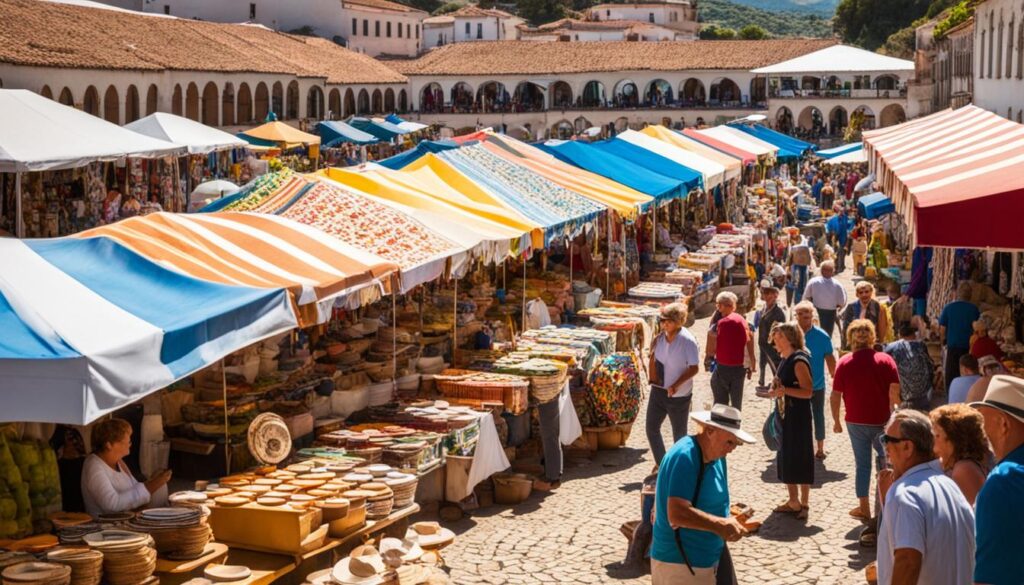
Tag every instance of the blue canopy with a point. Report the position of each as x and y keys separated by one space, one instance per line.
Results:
x=382 y=130
x=651 y=161
x=789 y=147
x=400 y=160
x=616 y=168
x=875 y=205
x=404 y=125
x=333 y=133
x=840 y=150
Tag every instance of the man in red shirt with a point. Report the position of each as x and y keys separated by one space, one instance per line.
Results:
x=728 y=338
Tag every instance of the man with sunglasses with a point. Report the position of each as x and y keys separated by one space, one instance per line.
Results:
x=926 y=535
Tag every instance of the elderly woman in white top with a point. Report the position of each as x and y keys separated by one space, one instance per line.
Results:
x=107 y=484
x=674 y=362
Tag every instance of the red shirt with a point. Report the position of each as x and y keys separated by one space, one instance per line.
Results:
x=863 y=378
x=732 y=332
x=984 y=346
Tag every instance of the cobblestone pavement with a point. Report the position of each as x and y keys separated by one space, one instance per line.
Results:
x=572 y=535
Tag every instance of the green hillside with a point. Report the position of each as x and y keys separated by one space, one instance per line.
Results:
x=724 y=13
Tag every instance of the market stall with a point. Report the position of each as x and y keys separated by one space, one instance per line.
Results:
x=733 y=165
x=875 y=205
x=618 y=169
x=294 y=148
x=789 y=148
x=712 y=172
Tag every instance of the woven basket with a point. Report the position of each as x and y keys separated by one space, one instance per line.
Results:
x=370 y=454
x=181 y=543
x=546 y=388
x=403 y=455
x=404 y=491
x=380 y=506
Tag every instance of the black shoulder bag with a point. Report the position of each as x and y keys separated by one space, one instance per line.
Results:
x=726 y=572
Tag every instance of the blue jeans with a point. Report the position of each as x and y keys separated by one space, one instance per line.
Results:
x=862 y=438
x=797 y=284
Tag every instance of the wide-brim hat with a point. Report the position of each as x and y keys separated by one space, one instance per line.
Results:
x=1005 y=393
x=429 y=534
x=410 y=550
x=364 y=566
x=723 y=417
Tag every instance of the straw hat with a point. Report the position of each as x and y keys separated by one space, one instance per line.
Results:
x=409 y=550
x=1005 y=393
x=723 y=417
x=364 y=566
x=429 y=535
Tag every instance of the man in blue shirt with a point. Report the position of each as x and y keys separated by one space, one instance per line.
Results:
x=998 y=512
x=819 y=344
x=691 y=510
x=957 y=321
x=838 y=227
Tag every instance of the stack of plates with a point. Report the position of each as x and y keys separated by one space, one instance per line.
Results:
x=128 y=557
x=86 y=564
x=37 y=574
x=74 y=534
x=188 y=499
x=178 y=533
x=116 y=518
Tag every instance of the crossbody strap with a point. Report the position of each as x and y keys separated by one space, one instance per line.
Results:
x=693 y=502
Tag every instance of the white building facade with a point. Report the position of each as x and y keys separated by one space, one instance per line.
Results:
x=679 y=15
x=999 y=57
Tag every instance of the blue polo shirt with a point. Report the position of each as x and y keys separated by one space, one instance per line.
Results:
x=677 y=477
x=998 y=517
x=958 y=318
x=819 y=344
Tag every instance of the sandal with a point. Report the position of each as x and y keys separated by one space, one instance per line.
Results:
x=856 y=513
x=785 y=508
x=820 y=455
x=868 y=537
x=803 y=513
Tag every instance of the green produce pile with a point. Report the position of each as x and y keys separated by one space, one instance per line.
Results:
x=15 y=505
x=37 y=464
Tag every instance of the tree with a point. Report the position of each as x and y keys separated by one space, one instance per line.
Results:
x=853 y=129
x=539 y=12
x=713 y=32
x=427 y=6
x=485 y=4
x=869 y=23
x=446 y=8
x=752 y=32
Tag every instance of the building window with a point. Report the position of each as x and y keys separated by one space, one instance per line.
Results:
x=408 y=31
x=366 y=27
x=607 y=13
x=650 y=17
x=376 y=28
x=467 y=30
x=1009 y=48
x=355 y=26
x=991 y=42
x=252 y=11
x=417 y=31
x=479 y=30
x=389 y=30
x=1020 y=52
x=399 y=30
x=999 y=52
x=167 y=9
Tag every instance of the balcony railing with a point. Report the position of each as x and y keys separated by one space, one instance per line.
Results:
x=897 y=93
x=609 y=106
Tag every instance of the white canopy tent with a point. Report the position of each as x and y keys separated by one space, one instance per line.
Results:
x=839 y=59
x=198 y=138
x=740 y=140
x=713 y=172
x=39 y=134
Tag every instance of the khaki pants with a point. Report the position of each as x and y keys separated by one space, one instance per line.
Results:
x=678 y=574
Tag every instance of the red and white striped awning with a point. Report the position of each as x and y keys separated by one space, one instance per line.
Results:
x=956 y=176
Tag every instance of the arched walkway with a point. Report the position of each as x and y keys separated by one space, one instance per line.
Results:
x=891 y=115
x=389 y=100
x=192 y=102
x=659 y=93
x=593 y=95
x=462 y=97
x=66 y=97
x=403 y=101
x=131 y=105
x=261 y=102
x=492 y=97
x=692 y=92
x=581 y=124
x=622 y=124
x=91 y=101
x=227 y=105
x=377 y=103
x=211 y=104
x=431 y=98
x=724 y=92
x=334 y=104
x=784 y=120
x=838 y=120
x=528 y=97
x=810 y=119
x=349 y=107
x=46 y=92
x=244 y=107
x=277 y=100
x=111 y=106
x=292 y=111
x=177 y=107
x=363 y=104
x=152 y=99
x=561 y=95
x=315 y=103
x=759 y=90
x=626 y=94
x=869 y=117
x=562 y=130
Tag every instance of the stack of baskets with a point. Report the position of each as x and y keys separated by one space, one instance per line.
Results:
x=403 y=485
x=37 y=574
x=380 y=504
x=128 y=557
x=471 y=386
x=547 y=377
x=179 y=533
x=86 y=564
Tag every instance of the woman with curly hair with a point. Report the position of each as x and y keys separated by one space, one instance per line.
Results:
x=961 y=446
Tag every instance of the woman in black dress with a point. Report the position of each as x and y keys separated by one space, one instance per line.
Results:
x=793 y=387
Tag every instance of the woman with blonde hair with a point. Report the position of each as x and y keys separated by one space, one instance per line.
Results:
x=675 y=360
x=961 y=446
x=867 y=383
x=793 y=387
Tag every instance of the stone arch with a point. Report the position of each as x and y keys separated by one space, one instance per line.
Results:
x=886 y=82
x=724 y=91
x=177 y=108
x=292 y=109
x=243 y=111
x=622 y=124
x=277 y=100
x=626 y=94
x=403 y=101
x=520 y=132
x=528 y=97
x=891 y=115
x=658 y=92
x=389 y=100
x=463 y=96
x=562 y=130
x=131 y=105
x=759 y=90
x=334 y=103
x=581 y=124
x=152 y=99
x=261 y=102
x=593 y=95
x=91 y=101
x=561 y=95
x=869 y=117
x=315 y=103
x=693 y=93
x=227 y=105
x=784 y=120
x=111 y=106
x=376 y=102
x=492 y=95
x=349 y=106
x=66 y=97
x=46 y=92
x=211 y=104
x=192 y=102
x=810 y=119
x=363 y=102
x=431 y=98
x=838 y=119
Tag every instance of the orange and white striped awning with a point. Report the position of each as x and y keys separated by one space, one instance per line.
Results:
x=956 y=176
x=257 y=250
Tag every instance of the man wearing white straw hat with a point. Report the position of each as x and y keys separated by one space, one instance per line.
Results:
x=998 y=512
x=691 y=513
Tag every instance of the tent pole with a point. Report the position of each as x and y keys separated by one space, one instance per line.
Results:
x=524 y=294
x=571 y=243
x=608 y=261
x=19 y=220
x=654 y=232
x=455 y=321
x=625 y=280
x=394 y=337
x=227 y=431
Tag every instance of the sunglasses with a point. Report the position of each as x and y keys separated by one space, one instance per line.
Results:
x=891 y=440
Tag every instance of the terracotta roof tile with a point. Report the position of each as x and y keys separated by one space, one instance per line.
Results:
x=47 y=34
x=574 y=24
x=384 y=5
x=533 y=58
x=472 y=10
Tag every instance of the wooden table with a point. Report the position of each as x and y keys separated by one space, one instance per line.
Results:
x=270 y=568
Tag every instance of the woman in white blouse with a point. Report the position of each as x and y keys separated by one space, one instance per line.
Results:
x=107 y=484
